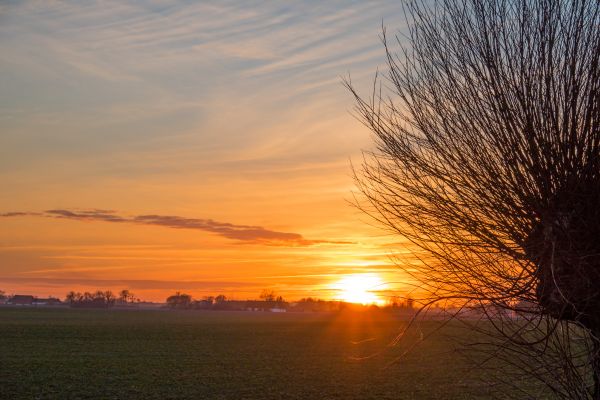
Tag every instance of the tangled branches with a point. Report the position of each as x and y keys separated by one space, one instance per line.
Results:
x=487 y=158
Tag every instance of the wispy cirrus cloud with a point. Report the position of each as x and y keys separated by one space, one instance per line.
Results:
x=243 y=233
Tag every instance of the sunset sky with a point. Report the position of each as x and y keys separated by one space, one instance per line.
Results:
x=203 y=147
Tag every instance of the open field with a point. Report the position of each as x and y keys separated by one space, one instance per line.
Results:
x=111 y=354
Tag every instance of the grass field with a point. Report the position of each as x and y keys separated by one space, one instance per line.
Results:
x=112 y=354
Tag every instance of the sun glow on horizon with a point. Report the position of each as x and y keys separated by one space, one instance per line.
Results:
x=360 y=288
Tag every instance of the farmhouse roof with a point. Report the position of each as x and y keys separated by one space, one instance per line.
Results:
x=22 y=299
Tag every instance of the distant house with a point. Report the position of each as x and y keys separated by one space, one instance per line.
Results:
x=233 y=305
x=202 y=304
x=269 y=306
x=21 y=300
x=278 y=309
x=50 y=301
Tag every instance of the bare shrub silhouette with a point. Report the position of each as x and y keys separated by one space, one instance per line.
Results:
x=487 y=133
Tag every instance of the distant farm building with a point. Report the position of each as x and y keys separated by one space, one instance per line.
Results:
x=272 y=306
x=50 y=301
x=21 y=300
x=276 y=309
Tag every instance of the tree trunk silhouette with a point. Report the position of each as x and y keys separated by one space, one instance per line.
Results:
x=564 y=245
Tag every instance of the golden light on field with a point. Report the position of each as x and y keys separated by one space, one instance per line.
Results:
x=360 y=288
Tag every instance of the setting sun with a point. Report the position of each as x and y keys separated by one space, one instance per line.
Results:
x=360 y=288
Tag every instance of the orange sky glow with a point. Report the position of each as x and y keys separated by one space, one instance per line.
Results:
x=202 y=148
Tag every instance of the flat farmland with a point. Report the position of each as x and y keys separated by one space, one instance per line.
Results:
x=121 y=354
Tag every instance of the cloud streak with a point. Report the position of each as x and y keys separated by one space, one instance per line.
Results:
x=19 y=214
x=134 y=283
x=243 y=233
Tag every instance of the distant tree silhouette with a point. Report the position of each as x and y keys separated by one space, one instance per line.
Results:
x=125 y=296
x=267 y=295
x=220 y=302
x=108 y=297
x=209 y=299
x=99 y=299
x=72 y=297
x=220 y=299
x=487 y=159
x=179 y=300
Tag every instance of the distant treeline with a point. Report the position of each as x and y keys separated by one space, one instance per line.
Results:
x=184 y=301
x=271 y=302
x=100 y=299
x=268 y=301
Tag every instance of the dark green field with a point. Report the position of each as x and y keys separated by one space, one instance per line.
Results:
x=111 y=354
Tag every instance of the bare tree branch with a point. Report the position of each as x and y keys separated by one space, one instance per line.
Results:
x=487 y=158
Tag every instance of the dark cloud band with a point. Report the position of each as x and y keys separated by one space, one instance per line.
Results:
x=243 y=233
